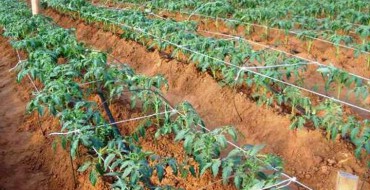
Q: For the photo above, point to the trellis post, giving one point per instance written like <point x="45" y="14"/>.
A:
<point x="35" y="6"/>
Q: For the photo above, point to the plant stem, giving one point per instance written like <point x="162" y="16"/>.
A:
<point x="339" y="90"/>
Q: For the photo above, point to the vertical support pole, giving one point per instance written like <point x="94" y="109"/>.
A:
<point x="346" y="181"/>
<point x="35" y="7"/>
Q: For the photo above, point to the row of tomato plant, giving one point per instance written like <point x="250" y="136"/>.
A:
<point x="308" y="20"/>
<point x="62" y="67"/>
<point x="348" y="10"/>
<point x="326" y="114"/>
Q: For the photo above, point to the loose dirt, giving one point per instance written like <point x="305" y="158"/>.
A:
<point x="307" y="154"/>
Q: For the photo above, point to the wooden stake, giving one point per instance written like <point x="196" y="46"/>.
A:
<point x="35" y="7"/>
<point x="346" y="181"/>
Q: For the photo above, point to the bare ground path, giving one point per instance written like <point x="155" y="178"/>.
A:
<point x="27" y="160"/>
<point x="17" y="171"/>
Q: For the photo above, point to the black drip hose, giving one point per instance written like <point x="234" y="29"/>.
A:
<point x="116" y="132"/>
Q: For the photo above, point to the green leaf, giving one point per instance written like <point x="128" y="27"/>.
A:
<point x="157" y="134"/>
<point x="262" y="175"/>
<point x="367" y="146"/>
<point x="180" y="135"/>
<point x="64" y="142"/>
<point x="173" y="165"/>
<point x="234" y="152"/>
<point x="354" y="132"/>
<point x="84" y="166"/>
<point x="334" y="133"/>
<point x="93" y="177"/>
<point x="222" y="140"/>
<point x="74" y="148"/>
<point x="160" y="172"/>
<point x="256" y="149"/>
<point x="188" y="143"/>
<point x="226" y="173"/>
<point x="204" y="168"/>
<point x="192" y="171"/>
<point x="358" y="152"/>
<point x="238" y="181"/>
<point x="258" y="186"/>
<point x="215" y="167"/>
<point x="127" y="172"/>
<point x="108" y="160"/>
<point x="232" y="133"/>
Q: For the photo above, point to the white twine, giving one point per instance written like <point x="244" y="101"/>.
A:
<point x="78" y="131"/>
<point x="172" y="112"/>
<point x="86" y="83"/>
<point x="19" y="62"/>
<point x="247" y="70"/>
<point x="278" y="29"/>
<point x="232" y="144"/>
<point x="33" y="84"/>
<point x="266" y="46"/>
<point x="226" y="63"/>
<point x="281" y="51"/>
<point x="29" y="77"/>
<point x="289" y="180"/>
<point x="259" y="25"/>
<point x="282" y="184"/>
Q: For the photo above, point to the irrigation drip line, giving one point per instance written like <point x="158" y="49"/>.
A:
<point x="281" y="51"/>
<point x="241" y="68"/>
<point x="264" y="26"/>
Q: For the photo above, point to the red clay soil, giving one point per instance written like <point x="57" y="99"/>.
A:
<point x="27" y="159"/>
<point x="307" y="154"/>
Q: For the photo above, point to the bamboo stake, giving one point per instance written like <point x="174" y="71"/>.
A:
<point x="35" y="7"/>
